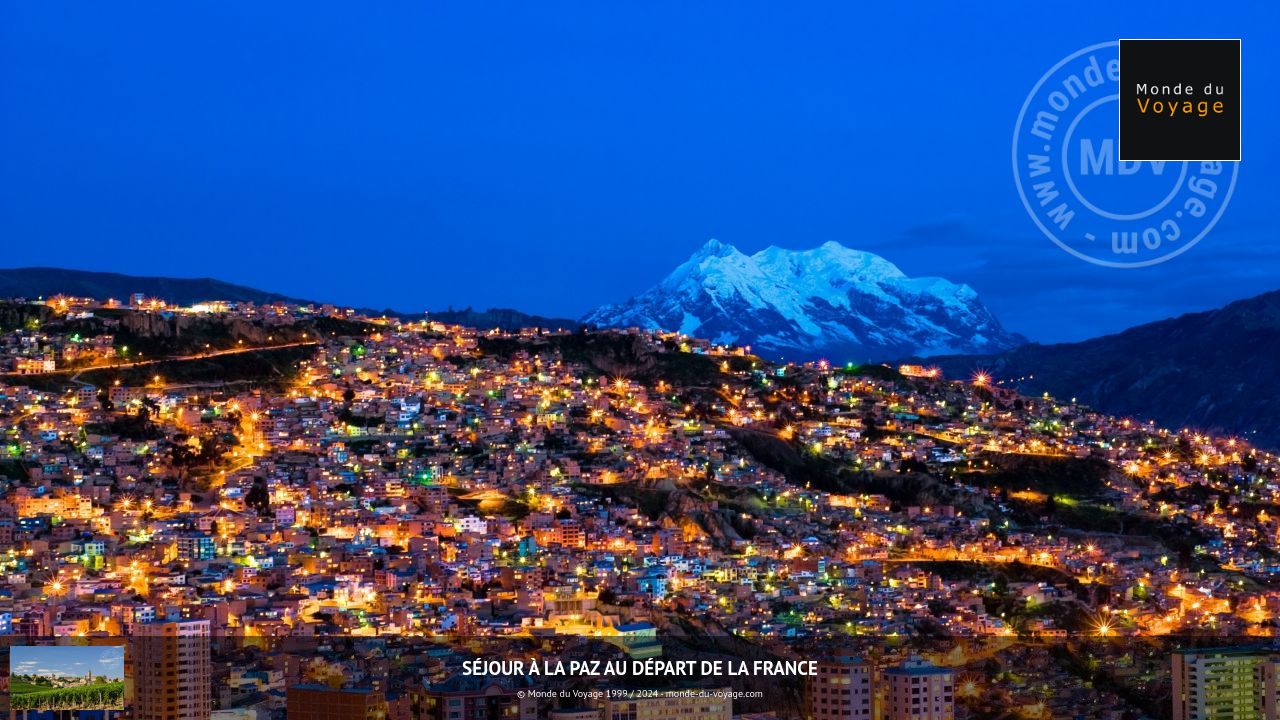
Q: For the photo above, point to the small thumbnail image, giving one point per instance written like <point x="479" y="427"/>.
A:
<point x="66" y="682"/>
<point x="4" y="692"/>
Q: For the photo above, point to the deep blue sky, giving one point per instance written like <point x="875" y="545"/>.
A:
<point x="555" y="156"/>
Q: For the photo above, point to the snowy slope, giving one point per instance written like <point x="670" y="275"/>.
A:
<point x="830" y="302"/>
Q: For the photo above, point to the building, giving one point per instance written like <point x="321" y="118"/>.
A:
<point x="579" y="713"/>
<point x="919" y="371"/>
<point x="170" y="669"/>
<point x="1269" y="688"/>
<point x="841" y="690"/>
<point x="919" y="690"/>
<point x="34" y="366"/>
<point x="319" y="702"/>
<point x="1222" y="684"/>
<point x="465" y="697"/>
<point x="193" y="547"/>
<point x="701" y="704"/>
<point x="638" y="639"/>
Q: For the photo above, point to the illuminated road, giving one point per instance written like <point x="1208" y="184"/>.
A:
<point x="158" y="361"/>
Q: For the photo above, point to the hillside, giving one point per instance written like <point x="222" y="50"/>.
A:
<point x="37" y="282"/>
<point x="501" y="318"/>
<point x="43" y="282"/>
<point x="1217" y="371"/>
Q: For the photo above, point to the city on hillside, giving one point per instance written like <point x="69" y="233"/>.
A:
<point x="257" y="478"/>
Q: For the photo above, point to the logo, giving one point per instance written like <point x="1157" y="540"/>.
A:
<point x="1180" y="100"/>
<point x="1070" y="178"/>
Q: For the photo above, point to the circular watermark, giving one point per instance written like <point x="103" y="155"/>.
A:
<point x="1082" y="196"/>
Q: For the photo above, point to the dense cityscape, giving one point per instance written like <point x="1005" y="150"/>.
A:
<point x="253" y="476"/>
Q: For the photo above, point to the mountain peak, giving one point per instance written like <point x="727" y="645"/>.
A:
<point x="828" y="301"/>
<point x="714" y="248"/>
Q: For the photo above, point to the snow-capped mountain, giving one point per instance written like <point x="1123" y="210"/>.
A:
<point x="829" y="302"/>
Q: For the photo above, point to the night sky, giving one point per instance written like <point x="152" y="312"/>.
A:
<point x="553" y="157"/>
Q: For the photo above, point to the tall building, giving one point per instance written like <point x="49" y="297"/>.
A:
<point x="1223" y="684"/>
<point x="713" y="704"/>
<point x="841" y="690"/>
<point x="194" y="546"/>
<point x="919" y="690"/>
<point x="1269" y="688"/>
<point x="170" y="665"/>
<point x="319" y="702"/>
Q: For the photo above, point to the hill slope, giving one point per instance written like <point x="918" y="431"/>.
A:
<point x="35" y="282"/>
<point x="1217" y="371"/>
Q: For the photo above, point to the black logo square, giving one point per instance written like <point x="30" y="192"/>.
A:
<point x="1179" y="100"/>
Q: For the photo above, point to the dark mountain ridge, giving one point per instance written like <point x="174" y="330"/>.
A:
<point x="38" y="282"/>
<point x="1216" y="371"/>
